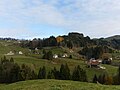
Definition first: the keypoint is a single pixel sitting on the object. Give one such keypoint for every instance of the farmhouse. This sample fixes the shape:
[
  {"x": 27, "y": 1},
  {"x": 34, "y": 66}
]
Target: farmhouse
[
  {"x": 10, "y": 53},
  {"x": 20, "y": 52},
  {"x": 65, "y": 55},
  {"x": 93, "y": 63},
  {"x": 55, "y": 56}
]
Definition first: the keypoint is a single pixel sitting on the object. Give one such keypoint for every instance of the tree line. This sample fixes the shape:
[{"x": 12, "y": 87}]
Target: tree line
[
  {"x": 95, "y": 51},
  {"x": 71, "y": 40},
  {"x": 107, "y": 79},
  {"x": 11, "y": 72}
]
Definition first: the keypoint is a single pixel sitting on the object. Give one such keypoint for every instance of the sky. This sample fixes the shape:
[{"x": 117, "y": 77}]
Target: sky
[{"x": 27, "y": 19}]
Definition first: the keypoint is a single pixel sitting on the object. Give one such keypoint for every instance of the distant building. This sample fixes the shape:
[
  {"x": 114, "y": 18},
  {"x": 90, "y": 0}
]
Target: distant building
[
  {"x": 10, "y": 53},
  {"x": 107, "y": 61},
  {"x": 20, "y": 52},
  {"x": 36, "y": 49},
  {"x": 55, "y": 56},
  {"x": 93, "y": 63},
  {"x": 64, "y": 55}
]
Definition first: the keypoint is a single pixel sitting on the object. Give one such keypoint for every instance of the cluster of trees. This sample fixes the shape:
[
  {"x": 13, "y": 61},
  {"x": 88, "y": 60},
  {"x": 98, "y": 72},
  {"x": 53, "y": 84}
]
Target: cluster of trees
[
  {"x": 64, "y": 73},
  {"x": 103, "y": 79},
  {"x": 92, "y": 52},
  {"x": 47, "y": 55},
  {"x": 71, "y": 40},
  {"x": 95, "y": 52},
  {"x": 39, "y": 43},
  {"x": 11, "y": 72},
  {"x": 107, "y": 79}
]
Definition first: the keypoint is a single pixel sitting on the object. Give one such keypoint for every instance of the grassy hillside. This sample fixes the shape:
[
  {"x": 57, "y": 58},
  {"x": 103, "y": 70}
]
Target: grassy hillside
[
  {"x": 56, "y": 85},
  {"x": 35, "y": 62}
]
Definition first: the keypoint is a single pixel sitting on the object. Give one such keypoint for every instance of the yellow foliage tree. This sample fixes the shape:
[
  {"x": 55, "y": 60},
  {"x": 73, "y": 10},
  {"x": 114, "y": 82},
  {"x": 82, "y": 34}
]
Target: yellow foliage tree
[
  {"x": 108, "y": 80},
  {"x": 59, "y": 39}
]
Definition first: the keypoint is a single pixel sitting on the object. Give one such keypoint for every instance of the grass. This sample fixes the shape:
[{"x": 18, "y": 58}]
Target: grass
[
  {"x": 36, "y": 63},
  {"x": 56, "y": 85}
]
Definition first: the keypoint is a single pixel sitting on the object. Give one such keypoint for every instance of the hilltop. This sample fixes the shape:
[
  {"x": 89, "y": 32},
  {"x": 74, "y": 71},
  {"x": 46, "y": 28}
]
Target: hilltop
[{"x": 113, "y": 37}]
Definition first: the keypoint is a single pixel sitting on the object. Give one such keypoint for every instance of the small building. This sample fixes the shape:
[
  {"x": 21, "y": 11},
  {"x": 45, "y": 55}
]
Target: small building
[
  {"x": 55, "y": 56},
  {"x": 64, "y": 55},
  {"x": 10, "y": 53},
  {"x": 36, "y": 49},
  {"x": 107, "y": 61},
  {"x": 20, "y": 52},
  {"x": 93, "y": 63}
]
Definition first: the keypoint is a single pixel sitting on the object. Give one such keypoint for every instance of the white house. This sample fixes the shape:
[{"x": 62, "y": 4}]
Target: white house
[
  {"x": 55, "y": 56},
  {"x": 36, "y": 49},
  {"x": 65, "y": 55},
  {"x": 20, "y": 52},
  {"x": 10, "y": 53}
]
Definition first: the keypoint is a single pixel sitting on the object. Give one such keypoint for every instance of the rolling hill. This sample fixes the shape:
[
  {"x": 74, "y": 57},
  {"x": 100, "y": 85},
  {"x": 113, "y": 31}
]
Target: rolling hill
[
  {"x": 56, "y": 85},
  {"x": 34, "y": 61}
]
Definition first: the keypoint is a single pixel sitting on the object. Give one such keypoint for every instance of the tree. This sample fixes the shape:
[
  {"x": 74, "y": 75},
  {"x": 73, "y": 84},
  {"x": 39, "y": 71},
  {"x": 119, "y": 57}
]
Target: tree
[
  {"x": 56, "y": 73},
  {"x": 95, "y": 79},
  {"x": 67, "y": 72},
  {"x": 108, "y": 80},
  {"x": 62, "y": 72},
  {"x": 49, "y": 55},
  {"x": 50, "y": 75},
  {"x": 116, "y": 78},
  {"x": 79, "y": 74},
  {"x": 14, "y": 73},
  {"x": 11, "y": 60},
  {"x": 70, "y": 44},
  {"x": 59, "y": 40},
  {"x": 70, "y": 56},
  {"x": 42, "y": 73},
  {"x": 26, "y": 73},
  {"x": 101, "y": 79}
]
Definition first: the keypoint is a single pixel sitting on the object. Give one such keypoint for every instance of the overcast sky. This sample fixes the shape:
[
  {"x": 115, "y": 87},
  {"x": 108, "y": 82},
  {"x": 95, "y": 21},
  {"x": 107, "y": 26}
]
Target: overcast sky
[{"x": 43, "y": 18}]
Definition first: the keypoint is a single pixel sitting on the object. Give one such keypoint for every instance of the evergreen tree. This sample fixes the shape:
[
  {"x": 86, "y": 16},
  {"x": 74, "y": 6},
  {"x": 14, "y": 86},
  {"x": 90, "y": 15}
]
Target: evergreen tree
[
  {"x": 34, "y": 75},
  {"x": 116, "y": 78},
  {"x": 56, "y": 73},
  {"x": 70, "y": 56},
  {"x": 67, "y": 72},
  {"x": 14, "y": 73},
  {"x": 11, "y": 60},
  {"x": 50, "y": 75},
  {"x": 49, "y": 55},
  {"x": 62, "y": 72},
  {"x": 101, "y": 79},
  {"x": 79, "y": 74},
  {"x": 119, "y": 75},
  {"x": 95, "y": 79},
  {"x": 74, "y": 74},
  {"x": 42, "y": 73}
]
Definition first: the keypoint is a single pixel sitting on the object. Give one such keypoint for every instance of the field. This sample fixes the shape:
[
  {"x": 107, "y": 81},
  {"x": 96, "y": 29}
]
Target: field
[{"x": 56, "y": 85}]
